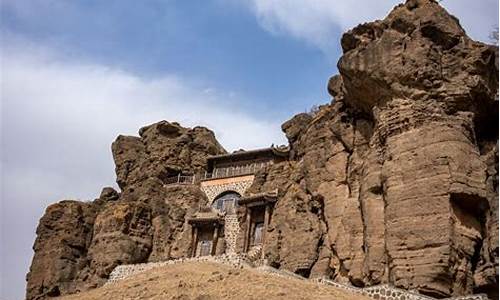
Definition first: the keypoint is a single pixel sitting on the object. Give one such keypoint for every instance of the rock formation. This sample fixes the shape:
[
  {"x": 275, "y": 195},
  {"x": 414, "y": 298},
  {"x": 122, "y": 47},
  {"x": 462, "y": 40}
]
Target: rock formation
[
  {"x": 395, "y": 181},
  {"x": 79, "y": 243}
]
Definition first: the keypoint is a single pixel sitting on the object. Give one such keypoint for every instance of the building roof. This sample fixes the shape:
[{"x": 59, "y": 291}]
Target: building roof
[
  {"x": 273, "y": 151},
  {"x": 260, "y": 198},
  {"x": 206, "y": 216}
]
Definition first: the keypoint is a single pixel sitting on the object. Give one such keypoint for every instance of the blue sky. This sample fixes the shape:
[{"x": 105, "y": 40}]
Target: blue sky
[
  {"x": 217, "y": 44},
  {"x": 75, "y": 74}
]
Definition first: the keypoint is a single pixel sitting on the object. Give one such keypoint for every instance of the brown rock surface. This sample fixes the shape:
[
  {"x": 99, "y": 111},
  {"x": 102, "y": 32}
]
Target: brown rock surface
[
  {"x": 395, "y": 181},
  {"x": 430, "y": 91},
  {"x": 162, "y": 150},
  {"x": 403, "y": 162},
  {"x": 78, "y": 244},
  {"x": 60, "y": 262}
]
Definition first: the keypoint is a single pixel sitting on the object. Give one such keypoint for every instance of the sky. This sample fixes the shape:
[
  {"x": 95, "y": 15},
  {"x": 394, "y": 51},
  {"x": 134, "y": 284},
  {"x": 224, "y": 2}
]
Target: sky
[{"x": 75, "y": 74}]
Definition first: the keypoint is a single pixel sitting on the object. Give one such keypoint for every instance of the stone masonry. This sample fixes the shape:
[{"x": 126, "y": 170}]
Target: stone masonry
[
  {"x": 388, "y": 292},
  {"x": 212, "y": 191},
  {"x": 124, "y": 271},
  {"x": 231, "y": 231},
  {"x": 380, "y": 292}
]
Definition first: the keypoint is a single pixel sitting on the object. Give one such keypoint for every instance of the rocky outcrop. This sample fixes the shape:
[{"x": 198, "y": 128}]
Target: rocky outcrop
[
  {"x": 395, "y": 181},
  {"x": 63, "y": 237},
  {"x": 397, "y": 178},
  {"x": 79, "y": 243},
  {"x": 162, "y": 150}
]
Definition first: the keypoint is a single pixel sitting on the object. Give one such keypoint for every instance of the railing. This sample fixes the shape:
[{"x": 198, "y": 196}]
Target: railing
[
  {"x": 180, "y": 179},
  {"x": 217, "y": 173},
  {"x": 235, "y": 171}
]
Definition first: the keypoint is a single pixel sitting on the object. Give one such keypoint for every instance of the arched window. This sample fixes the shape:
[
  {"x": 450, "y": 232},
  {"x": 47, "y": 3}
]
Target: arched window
[{"x": 227, "y": 202}]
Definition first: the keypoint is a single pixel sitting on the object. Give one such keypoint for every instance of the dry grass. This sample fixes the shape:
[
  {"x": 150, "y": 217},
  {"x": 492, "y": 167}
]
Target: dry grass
[{"x": 208, "y": 281}]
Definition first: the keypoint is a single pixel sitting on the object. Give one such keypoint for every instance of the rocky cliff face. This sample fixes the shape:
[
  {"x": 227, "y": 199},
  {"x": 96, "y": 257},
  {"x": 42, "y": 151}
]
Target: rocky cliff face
[
  {"x": 78, "y": 244},
  {"x": 395, "y": 181},
  {"x": 162, "y": 150}
]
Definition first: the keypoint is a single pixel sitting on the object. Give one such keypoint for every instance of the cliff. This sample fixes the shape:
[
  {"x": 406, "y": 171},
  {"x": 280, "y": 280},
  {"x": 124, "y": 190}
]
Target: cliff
[
  {"x": 395, "y": 181},
  {"x": 78, "y": 244}
]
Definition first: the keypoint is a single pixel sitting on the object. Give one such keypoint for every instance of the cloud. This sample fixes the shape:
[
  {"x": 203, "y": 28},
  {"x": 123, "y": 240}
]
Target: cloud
[
  {"x": 320, "y": 22},
  {"x": 317, "y": 22},
  {"x": 59, "y": 118},
  {"x": 478, "y": 18}
]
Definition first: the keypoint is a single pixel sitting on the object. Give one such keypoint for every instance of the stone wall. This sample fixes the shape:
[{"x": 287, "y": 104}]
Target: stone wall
[
  {"x": 380, "y": 292},
  {"x": 231, "y": 231},
  {"x": 124, "y": 271},
  {"x": 214, "y": 188},
  {"x": 387, "y": 292}
]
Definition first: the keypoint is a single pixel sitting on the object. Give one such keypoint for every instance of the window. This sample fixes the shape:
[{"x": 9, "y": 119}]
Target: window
[
  {"x": 227, "y": 202},
  {"x": 228, "y": 205},
  {"x": 219, "y": 203}
]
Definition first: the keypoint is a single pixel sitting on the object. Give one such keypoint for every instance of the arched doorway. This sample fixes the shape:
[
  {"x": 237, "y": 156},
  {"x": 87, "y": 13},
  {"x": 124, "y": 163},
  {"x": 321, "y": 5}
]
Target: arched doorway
[{"x": 227, "y": 202}]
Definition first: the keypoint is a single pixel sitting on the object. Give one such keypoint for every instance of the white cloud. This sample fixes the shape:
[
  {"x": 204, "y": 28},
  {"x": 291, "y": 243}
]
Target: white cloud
[
  {"x": 58, "y": 121},
  {"x": 317, "y": 22},
  {"x": 321, "y": 22},
  {"x": 478, "y": 18}
]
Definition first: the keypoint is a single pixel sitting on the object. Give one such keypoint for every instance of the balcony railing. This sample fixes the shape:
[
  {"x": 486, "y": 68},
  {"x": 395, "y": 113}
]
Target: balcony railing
[
  {"x": 217, "y": 173},
  {"x": 180, "y": 179},
  {"x": 235, "y": 171}
]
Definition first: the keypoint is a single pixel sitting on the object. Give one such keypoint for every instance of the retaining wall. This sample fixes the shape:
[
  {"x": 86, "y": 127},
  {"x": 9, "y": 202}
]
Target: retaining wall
[
  {"x": 379, "y": 292},
  {"x": 124, "y": 271},
  {"x": 388, "y": 292}
]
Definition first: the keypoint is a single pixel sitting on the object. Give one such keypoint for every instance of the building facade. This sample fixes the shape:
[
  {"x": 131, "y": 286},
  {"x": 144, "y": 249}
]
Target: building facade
[{"x": 233, "y": 221}]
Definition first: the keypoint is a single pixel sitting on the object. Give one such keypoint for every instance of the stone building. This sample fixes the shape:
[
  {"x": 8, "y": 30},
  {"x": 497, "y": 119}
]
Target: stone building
[
  {"x": 231, "y": 215},
  {"x": 258, "y": 212},
  {"x": 393, "y": 182},
  {"x": 206, "y": 229}
]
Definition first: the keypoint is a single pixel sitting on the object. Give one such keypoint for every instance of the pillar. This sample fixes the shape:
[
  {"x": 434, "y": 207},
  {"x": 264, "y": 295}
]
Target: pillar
[
  {"x": 194, "y": 241},
  {"x": 215, "y": 239},
  {"x": 252, "y": 230},
  {"x": 247, "y": 230},
  {"x": 264, "y": 231}
]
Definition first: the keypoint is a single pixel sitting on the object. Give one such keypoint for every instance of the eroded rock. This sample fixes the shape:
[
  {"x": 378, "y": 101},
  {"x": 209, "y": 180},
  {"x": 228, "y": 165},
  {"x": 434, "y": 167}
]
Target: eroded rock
[
  {"x": 402, "y": 161},
  {"x": 162, "y": 150},
  {"x": 79, "y": 243},
  {"x": 395, "y": 181}
]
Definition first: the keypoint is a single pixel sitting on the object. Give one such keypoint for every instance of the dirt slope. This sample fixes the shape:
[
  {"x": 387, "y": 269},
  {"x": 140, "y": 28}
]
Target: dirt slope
[{"x": 208, "y": 281}]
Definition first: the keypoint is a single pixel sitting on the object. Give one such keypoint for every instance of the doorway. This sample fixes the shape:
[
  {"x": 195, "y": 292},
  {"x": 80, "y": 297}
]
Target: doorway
[
  {"x": 205, "y": 248},
  {"x": 257, "y": 234}
]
